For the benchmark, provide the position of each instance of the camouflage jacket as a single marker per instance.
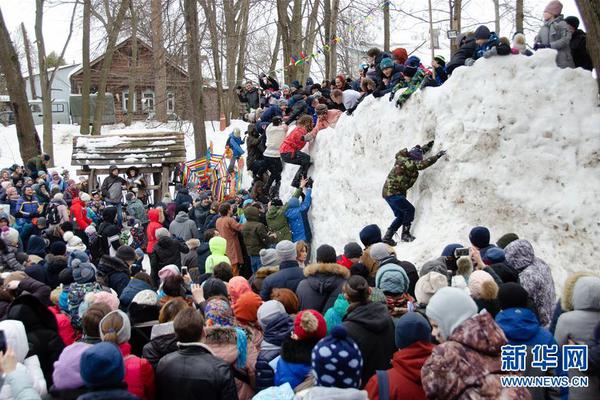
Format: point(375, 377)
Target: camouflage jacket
point(405, 172)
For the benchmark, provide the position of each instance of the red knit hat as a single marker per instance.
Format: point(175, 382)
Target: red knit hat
point(400, 54)
point(310, 324)
point(246, 307)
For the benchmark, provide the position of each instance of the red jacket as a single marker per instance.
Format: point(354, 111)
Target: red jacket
point(65, 329)
point(405, 375)
point(153, 216)
point(139, 374)
point(79, 214)
point(294, 141)
point(345, 261)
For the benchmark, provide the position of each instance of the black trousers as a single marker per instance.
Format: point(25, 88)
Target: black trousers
point(298, 158)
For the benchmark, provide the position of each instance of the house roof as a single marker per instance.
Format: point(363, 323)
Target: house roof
point(123, 44)
point(36, 73)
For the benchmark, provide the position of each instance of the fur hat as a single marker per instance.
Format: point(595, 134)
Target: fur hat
point(337, 361)
point(554, 7)
point(269, 257)
point(58, 197)
point(192, 244)
point(309, 324)
point(286, 250)
point(482, 286)
point(464, 265)
point(428, 285)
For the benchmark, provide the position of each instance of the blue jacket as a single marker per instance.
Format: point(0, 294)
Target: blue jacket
point(235, 143)
point(395, 78)
point(273, 111)
point(289, 276)
point(133, 287)
point(27, 209)
point(493, 42)
point(294, 215)
point(275, 332)
point(292, 373)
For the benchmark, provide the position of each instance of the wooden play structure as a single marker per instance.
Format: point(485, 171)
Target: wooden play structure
point(155, 152)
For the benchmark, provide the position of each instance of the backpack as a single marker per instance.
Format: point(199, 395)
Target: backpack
point(52, 214)
point(96, 248)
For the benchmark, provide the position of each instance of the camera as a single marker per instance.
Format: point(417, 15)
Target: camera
point(461, 252)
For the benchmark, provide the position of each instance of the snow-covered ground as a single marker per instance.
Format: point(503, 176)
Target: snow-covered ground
point(523, 142)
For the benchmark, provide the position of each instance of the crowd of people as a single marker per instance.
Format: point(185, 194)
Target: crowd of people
point(109, 294)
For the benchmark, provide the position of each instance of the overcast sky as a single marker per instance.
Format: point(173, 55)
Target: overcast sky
point(57, 17)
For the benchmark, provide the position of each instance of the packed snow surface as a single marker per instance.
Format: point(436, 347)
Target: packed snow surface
point(523, 142)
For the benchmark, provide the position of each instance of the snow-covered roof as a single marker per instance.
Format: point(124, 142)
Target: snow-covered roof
point(72, 66)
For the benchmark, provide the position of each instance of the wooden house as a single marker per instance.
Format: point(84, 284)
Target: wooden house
point(178, 99)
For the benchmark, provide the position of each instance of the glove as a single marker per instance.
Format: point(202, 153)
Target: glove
point(469, 62)
point(538, 46)
point(441, 154)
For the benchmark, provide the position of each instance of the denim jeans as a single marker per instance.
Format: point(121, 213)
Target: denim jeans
point(255, 263)
point(403, 210)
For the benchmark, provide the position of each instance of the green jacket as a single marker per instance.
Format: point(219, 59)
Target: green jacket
point(405, 172)
point(411, 86)
point(277, 221)
point(255, 233)
point(136, 209)
point(218, 247)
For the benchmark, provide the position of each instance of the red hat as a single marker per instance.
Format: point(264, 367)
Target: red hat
point(400, 55)
point(246, 307)
point(310, 324)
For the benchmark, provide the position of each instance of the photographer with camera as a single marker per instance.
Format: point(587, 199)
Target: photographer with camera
point(402, 177)
point(250, 95)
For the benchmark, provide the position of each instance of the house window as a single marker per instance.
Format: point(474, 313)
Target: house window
point(58, 108)
point(35, 108)
point(170, 102)
point(148, 101)
point(126, 101)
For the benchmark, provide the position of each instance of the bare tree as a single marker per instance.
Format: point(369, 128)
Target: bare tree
point(195, 74)
point(590, 13)
point(133, 64)
point(27, 45)
point(519, 15)
point(497, 16)
point(159, 62)
point(386, 26)
point(84, 129)
point(455, 22)
point(29, 142)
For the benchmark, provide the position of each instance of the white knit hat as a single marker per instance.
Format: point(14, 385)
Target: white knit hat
point(73, 242)
point(146, 297)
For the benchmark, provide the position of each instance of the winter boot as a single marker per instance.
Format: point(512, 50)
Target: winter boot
point(388, 238)
point(310, 182)
point(406, 236)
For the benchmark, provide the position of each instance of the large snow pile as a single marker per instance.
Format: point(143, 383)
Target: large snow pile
point(523, 142)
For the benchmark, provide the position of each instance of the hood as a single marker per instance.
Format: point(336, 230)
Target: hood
point(325, 278)
point(75, 201)
point(586, 294)
point(218, 246)
point(109, 214)
point(32, 313)
point(519, 254)
point(182, 217)
point(278, 329)
point(371, 316)
point(294, 202)
point(252, 214)
point(566, 300)
point(110, 264)
point(166, 328)
point(16, 338)
point(153, 215)
point(519, 324)
point(263, 272)
point(480, 333)
point(327, 269)
point(55, 264)
point(409, 361)
point(36, 246)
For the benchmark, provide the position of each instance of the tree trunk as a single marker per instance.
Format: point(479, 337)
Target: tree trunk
point(84, 129)
point(29, 142)
point(243, 44)
point(335, 11)
point(386, 26)
point(590, 13)
point(455, 23)
point(210, 13)
point(275, 54)
point(27, 46)
point(160, 63)
point(48, 144)
point(106, 64)
point(327, 37)
point(497, 16)
point(195, 74)
point(520, 16)
point(311, 37)
point(133, 65)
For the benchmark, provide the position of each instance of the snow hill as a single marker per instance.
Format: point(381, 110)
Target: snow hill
point(523, 142)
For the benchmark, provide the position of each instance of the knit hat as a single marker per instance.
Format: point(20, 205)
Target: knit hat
point(286, 251)
point(386, 63)
point(83, 272)
point(480, 284)
point(268, 257)
point(214, 287)
point(326, 254)
point(554, 7)
point(359, 269)
point(73, 242)
point(123, 334)
point(126, 253)
point(104, 297)
point(353, 250)
point(102, 366)
point(400, 55)
point(309, 324)
point(494, 255)
point(246, 307)
point(409, 71)
point(392, 278)
point(337, 361)
point(369, 235)
point(83, 196)
point(449, 249)
point(218, 312)
point(437, 265)
point(169, 270)
point(379, 251)
point(506, 239)
point(130, 196)
point(573, 21)
point(512, 295)
point(269, 311)
point(449, 308)
point(237, 286)
point(77, 255)
point(58, 196)
point(67, 368)
point(10, 236)
point(146, 297)
point(428, 285)
point(482, 32)
point(440, 60)
point(66, 276)
point(162, 232)
point(480, 237)
point(412, 327)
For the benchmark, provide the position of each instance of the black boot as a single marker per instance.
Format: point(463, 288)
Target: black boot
point(406, 236)
point(388, 238)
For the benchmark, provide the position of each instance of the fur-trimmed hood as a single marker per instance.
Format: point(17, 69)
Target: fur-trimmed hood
point(263, 272)
point(566, 300)
point(327, 269)
point(220, 335)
